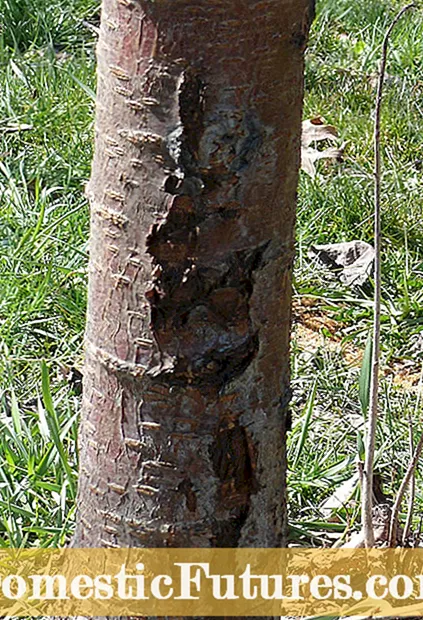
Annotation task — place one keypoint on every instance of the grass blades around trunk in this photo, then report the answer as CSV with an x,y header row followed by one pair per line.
x,y
47,64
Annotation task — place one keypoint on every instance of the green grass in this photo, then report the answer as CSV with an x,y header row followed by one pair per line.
x,y
47,67
337,206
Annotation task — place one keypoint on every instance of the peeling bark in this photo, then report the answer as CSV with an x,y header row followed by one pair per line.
x,y
192,193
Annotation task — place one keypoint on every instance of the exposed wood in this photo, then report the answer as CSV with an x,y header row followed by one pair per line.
x,y
193,194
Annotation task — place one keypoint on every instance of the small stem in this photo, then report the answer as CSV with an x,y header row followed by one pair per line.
x,y
400,496
367,490
412,492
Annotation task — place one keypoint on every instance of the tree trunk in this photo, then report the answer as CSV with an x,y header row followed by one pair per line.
x,y
193,194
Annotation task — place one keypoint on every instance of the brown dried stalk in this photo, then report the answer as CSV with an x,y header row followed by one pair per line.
x,y
367,489
401,492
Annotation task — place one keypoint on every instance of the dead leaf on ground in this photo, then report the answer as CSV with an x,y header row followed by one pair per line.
x,y
352,260
315,130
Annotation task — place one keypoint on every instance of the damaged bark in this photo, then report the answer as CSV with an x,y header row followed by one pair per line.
x,y
193,191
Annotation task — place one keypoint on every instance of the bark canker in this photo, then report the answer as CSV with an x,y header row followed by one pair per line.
x,y
193,189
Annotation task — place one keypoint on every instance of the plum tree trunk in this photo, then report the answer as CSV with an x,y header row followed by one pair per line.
x,y
193,193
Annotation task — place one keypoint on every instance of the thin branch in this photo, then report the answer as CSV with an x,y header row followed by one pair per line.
x,y
401,492
412,492
367,490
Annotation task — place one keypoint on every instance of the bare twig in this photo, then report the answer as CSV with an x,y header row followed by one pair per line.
x,y
400,496
412,492
367,490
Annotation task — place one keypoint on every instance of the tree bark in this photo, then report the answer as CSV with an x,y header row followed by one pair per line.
x,y
193,193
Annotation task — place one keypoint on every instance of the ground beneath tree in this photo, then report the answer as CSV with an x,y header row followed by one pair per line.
x,y
314,329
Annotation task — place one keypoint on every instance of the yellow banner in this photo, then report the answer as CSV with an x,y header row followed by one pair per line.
x,y
211,582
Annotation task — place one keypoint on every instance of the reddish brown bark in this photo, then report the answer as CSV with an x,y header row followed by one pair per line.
x,y
193,195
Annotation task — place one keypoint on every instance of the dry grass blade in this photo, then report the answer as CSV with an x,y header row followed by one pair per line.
x,y
17,127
